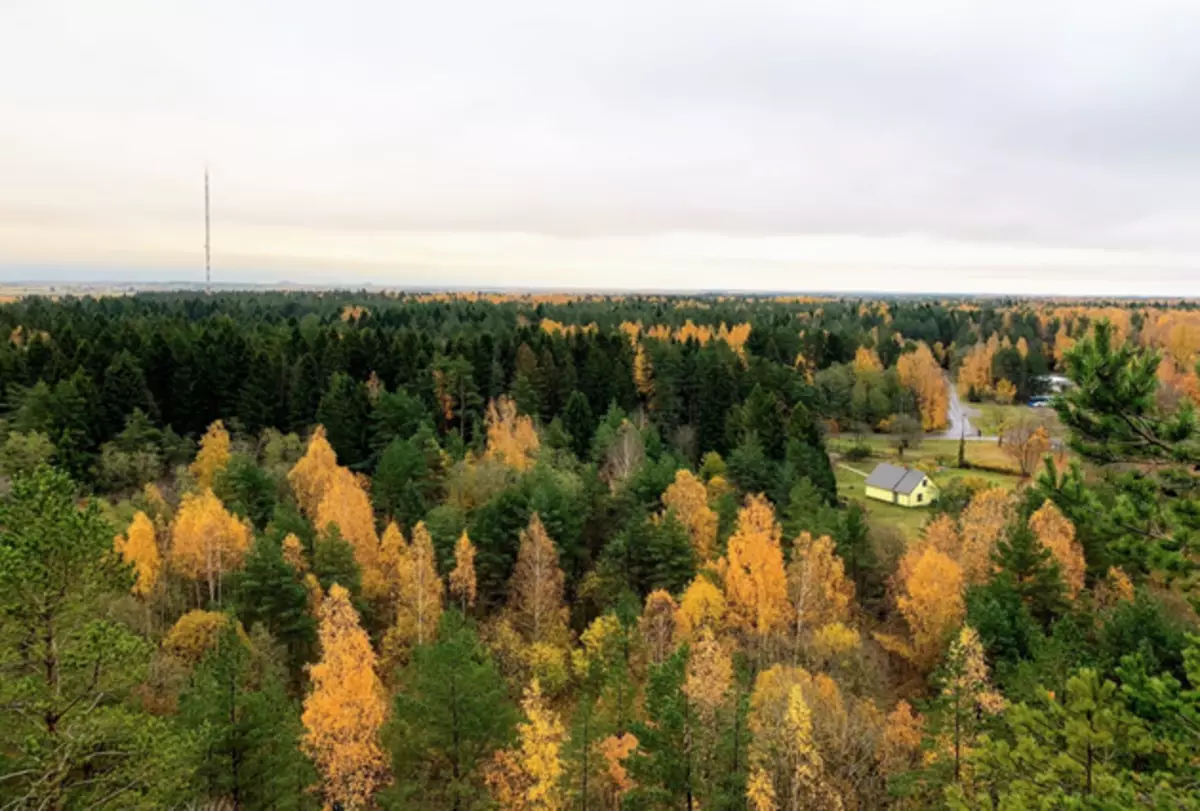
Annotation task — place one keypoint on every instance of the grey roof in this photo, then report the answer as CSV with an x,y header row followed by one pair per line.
x,y
896,479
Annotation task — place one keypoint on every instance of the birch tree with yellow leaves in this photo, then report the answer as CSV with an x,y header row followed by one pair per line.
x,y
213,455
511,437
755,581
688,497
138,546
207,542
462,577
535,592
529,776
1056,532
345,709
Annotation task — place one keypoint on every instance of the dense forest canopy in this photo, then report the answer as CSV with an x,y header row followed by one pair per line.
x,y
305,550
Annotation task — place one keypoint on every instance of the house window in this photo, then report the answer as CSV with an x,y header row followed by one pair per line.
x,y
920,497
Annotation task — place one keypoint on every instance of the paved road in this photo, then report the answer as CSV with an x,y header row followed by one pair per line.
x,y
958,417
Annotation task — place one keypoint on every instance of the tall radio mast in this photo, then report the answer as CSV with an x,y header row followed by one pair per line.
x,y
207,241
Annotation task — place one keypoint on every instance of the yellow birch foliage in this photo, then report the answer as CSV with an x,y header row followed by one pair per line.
x,y
931,602
311,476
529,776
818,588
867,360
1056,532
968,680
920,372
346,708
688,497
709,674
346,505
643,372
293,553
975,372
536,588
983,524
213,455
755,582
1114,589
139,547
659,625
901,742
462,577
195,634
419,602
702,606
1006,391
207,540
393,557
511,437
785,764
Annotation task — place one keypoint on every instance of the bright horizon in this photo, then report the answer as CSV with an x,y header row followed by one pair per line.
x,y
1033,149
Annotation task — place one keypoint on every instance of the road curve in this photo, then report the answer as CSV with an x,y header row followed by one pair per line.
x,y
958,416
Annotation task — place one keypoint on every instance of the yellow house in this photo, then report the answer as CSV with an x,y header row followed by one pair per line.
x,y
901,485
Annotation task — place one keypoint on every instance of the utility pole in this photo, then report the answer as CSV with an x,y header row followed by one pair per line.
x,y
207,241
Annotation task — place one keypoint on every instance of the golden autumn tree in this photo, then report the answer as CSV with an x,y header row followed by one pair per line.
x,y
1056,532
346,505
421,593
213,455
755,581
293,553
312,474
529,776
967,692
709,674
931,602
1026,440
819,591
867,360
984,522
688,497
919,371
393,557
643,372
462,576
900,744
614,751
535,592
195,634
345,709
975,372
702,606
1006,391
511,437
207,541
139,548
786,768
658,625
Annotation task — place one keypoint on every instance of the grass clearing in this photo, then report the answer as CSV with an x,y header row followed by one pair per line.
x,y
909,520
992,417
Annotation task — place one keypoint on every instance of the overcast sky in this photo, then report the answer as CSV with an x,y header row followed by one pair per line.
x,y
795,145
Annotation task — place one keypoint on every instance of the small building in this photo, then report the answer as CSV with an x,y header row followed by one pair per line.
x,y
905,486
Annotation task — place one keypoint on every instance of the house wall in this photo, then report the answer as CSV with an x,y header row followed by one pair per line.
x,y
879,493
926,488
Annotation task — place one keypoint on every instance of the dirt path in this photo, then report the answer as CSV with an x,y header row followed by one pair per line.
x,y
958,418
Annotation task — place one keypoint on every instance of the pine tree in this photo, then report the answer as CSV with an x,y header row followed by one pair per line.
x,y
344,411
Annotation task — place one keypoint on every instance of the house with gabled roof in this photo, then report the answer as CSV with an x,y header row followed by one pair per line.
x,y
905,486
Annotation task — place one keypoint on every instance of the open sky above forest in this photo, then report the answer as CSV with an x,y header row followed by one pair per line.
x,y
1049,147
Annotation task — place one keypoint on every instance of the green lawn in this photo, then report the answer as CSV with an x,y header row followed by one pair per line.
x,y
909,520
992,417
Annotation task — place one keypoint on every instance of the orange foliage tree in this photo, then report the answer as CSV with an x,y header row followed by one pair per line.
x,y
931,602
536,588
920,372
1056,532
755,582
688,497
1025,440
867,360
984,521
420,594
207,541
345,709
511,437
139,548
